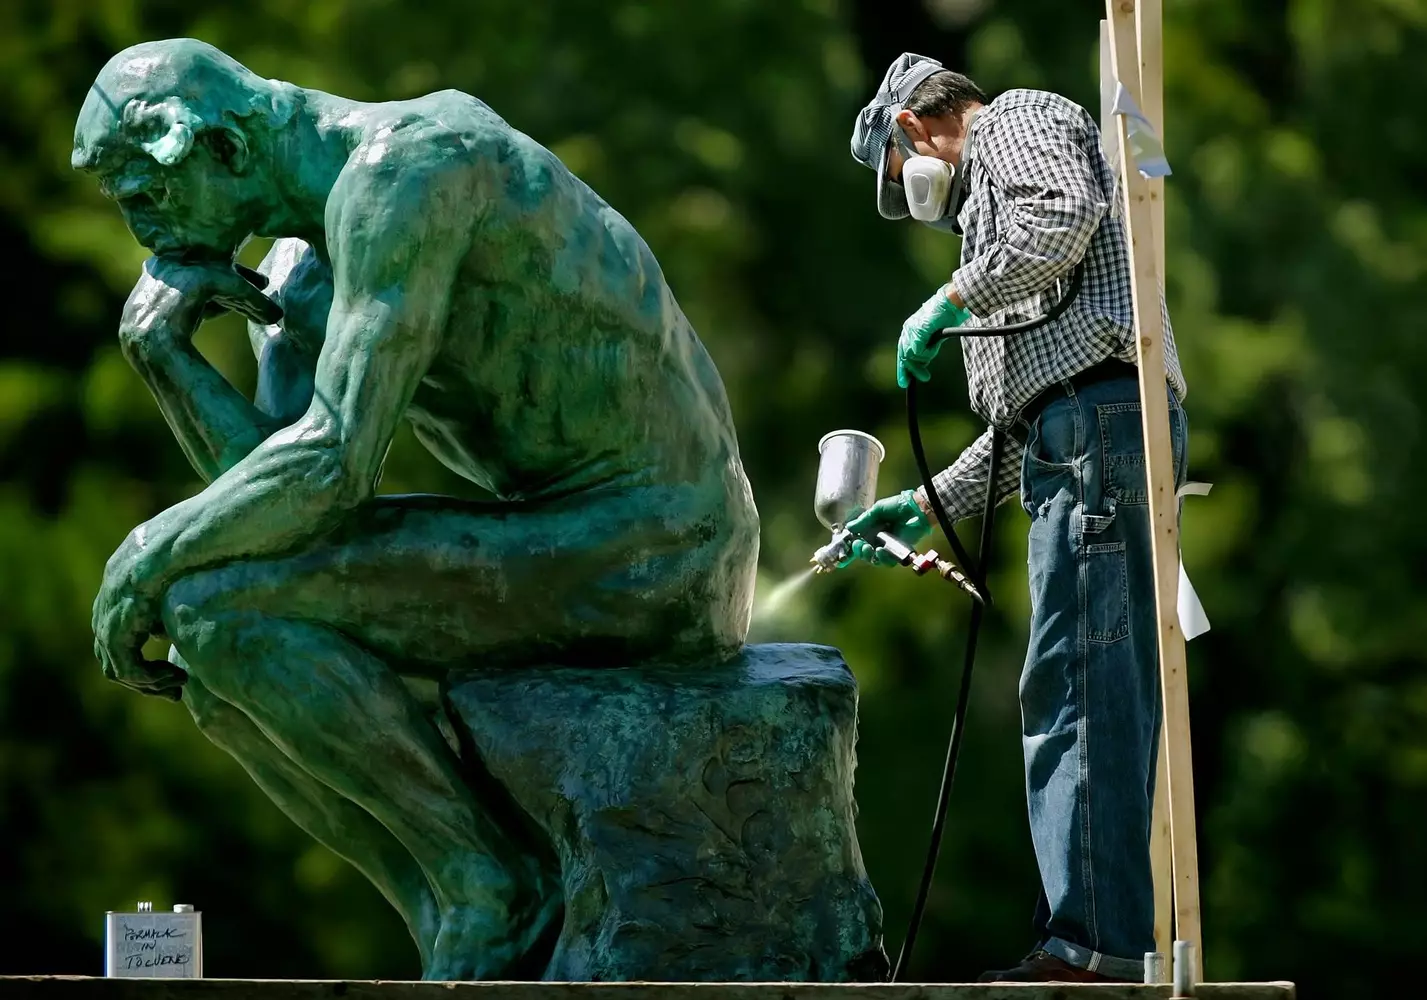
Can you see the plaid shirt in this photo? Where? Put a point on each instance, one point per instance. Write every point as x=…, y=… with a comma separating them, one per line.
x=1042, y=196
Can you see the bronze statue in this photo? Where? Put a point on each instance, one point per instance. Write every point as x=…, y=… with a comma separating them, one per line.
x=436, y=265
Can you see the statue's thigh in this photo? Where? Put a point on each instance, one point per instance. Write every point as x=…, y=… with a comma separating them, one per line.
x=431, y=582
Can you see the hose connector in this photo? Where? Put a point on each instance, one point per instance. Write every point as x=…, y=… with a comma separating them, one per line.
x=925, y=562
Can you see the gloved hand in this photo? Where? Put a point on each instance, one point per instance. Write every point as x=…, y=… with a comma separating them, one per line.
x=914, y=347
x=899, y=516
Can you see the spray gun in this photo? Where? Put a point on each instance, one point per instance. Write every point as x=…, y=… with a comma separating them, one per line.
x=847, y=486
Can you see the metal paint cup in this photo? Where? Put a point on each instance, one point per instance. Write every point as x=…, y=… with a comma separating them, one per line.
x=847, y=476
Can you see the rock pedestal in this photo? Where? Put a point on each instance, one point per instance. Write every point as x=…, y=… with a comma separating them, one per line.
x=703, y=818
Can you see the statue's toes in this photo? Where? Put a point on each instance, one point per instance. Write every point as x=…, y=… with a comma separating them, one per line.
x=456, y=954
x=476, y=944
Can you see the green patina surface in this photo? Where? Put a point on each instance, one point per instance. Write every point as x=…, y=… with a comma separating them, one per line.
x=432, y=265
x=703, y=821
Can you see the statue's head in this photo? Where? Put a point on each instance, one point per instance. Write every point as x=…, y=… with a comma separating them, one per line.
x=176, y=132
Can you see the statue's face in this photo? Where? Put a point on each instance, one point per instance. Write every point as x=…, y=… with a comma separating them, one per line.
x=196, y=208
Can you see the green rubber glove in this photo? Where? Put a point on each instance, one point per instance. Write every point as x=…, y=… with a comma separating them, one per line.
x=915, y=349
x=899, y=516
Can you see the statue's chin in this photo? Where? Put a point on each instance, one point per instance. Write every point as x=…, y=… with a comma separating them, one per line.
x=185, y=247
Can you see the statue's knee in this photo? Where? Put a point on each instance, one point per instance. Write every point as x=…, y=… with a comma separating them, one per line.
x=224, y=725
x=210, y=713
x=192, y=610
x=216, y=638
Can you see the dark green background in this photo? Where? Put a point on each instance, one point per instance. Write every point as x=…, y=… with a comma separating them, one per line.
x=1297, y=247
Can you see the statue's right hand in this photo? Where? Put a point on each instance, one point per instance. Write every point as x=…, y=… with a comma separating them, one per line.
x=172, y=297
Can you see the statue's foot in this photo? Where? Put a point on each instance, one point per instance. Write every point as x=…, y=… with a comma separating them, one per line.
x=475, y=945
x=424, y=923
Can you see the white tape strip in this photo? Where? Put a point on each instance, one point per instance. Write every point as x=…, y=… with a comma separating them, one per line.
x=1109, y=133
x=1145, y=147
x=1192, y=619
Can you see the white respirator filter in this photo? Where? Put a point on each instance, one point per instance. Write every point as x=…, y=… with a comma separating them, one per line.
x=927, y=181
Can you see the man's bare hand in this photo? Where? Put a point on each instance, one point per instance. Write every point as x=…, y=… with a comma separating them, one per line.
x=124, y=618
x=172, y=297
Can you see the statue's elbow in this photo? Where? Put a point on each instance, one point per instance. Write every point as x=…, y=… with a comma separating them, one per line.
x=332, y=476
x=336, y=465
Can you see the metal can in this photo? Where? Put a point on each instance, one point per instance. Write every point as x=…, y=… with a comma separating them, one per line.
x=847, y=476
x=145, y=944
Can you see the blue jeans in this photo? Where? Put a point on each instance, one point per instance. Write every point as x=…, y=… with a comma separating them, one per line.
x=1090, y=697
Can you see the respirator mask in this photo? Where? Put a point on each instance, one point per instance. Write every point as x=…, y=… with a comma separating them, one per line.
x=935, y=189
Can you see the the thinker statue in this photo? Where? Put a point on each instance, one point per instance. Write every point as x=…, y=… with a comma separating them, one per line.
x=433, y=265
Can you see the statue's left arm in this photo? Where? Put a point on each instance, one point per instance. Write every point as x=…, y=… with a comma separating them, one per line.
x=397, y=233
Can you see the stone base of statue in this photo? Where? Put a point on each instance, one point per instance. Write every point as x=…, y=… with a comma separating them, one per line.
x=703, y=819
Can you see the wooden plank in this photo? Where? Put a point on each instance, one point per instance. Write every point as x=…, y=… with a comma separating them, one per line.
x=1162, y=858
x=1163, y=506
x=1161, y=864
x=86, y=988
x=1149, y=39
x=1149, y=42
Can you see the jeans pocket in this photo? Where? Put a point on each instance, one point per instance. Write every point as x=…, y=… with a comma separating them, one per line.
x=1047, y=466
x=1107, y=592
x=1122, y=449
x=1054, y=440
x=1122, y=452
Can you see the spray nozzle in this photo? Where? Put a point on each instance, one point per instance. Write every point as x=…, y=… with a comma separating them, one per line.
x=835, y=552
x=839, y=550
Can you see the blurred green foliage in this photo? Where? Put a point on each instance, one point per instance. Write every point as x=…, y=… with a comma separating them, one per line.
x=1297, y=248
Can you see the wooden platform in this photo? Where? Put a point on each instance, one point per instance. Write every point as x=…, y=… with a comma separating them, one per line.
x=87, y=988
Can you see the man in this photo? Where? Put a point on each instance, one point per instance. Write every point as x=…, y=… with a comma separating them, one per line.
x=443, y=268
x=1039, y=198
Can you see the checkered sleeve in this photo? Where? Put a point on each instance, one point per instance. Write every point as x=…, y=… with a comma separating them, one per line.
x=1052, y=202
x=962, y=487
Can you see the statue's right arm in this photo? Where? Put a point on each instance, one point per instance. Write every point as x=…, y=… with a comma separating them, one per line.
x=212, y=422
x=215, y=426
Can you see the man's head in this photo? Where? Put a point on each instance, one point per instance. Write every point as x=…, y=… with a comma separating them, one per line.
x=920, y=108
x=176, y=132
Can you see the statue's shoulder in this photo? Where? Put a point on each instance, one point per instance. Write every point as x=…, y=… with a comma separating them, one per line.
x=412, y=170
x=417, y=148
x=442, y=132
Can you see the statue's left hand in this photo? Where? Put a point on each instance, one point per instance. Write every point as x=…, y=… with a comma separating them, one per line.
x=124, y=618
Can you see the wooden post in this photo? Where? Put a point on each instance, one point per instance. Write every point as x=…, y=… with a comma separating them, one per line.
x=1145, y=271
x=1149, y=33
x=1149, y=38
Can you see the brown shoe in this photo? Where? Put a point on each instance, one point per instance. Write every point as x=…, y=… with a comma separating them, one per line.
x=1043, y=967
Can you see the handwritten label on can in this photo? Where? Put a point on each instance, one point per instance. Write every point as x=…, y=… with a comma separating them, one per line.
x=154, y=945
